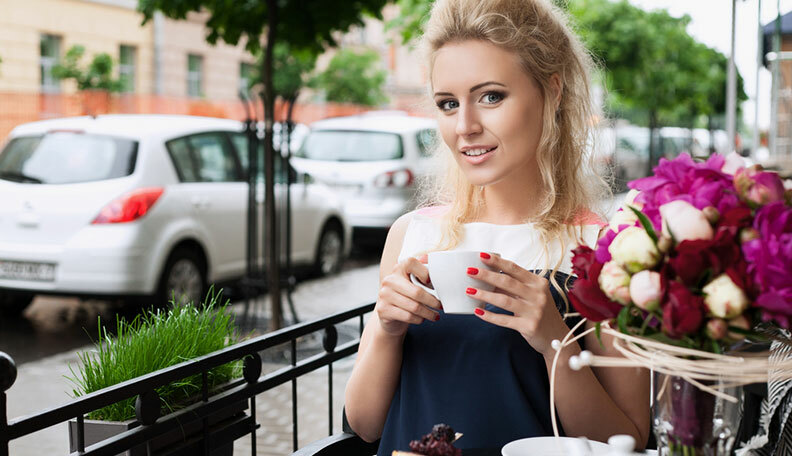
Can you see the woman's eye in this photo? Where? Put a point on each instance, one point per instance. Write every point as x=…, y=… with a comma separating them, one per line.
x=447, y=105
x=492, y=97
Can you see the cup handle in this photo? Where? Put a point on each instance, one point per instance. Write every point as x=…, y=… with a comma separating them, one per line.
x=431, y=291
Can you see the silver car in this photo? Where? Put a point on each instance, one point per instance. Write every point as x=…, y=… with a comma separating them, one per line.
x=372, y=160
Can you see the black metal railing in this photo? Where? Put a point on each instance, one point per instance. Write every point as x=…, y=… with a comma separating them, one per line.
x=147, y=405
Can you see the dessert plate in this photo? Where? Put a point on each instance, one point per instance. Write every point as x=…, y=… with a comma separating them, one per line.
x=550, y=446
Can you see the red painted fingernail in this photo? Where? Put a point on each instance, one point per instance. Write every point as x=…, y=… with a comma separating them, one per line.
x=485, y=255
x=470, y=291
x=479, y=312
x=437, y=317
x=472, y=271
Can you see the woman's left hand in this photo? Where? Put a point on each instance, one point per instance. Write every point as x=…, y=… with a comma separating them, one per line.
x=522, y=293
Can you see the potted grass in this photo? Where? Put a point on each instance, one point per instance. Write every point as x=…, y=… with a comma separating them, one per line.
x=152, y=341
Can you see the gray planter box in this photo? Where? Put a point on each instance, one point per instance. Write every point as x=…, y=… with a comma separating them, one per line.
x=97, y=431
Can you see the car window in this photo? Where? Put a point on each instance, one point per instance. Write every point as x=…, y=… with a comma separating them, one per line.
x=67, y=157
x=427, y=142
x=215, y=161
x=179, y=151
x=240, y=142
x=342, y=145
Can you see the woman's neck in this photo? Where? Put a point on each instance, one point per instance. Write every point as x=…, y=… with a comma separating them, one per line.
x=511, y=201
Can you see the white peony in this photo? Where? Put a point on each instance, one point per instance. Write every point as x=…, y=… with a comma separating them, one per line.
x=685, y=222
x=646, y=289
x=634, y=250
x=615, y=282
x=724, y=298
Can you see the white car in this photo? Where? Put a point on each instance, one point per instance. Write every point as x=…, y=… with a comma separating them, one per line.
x=140, y=206
x=372, y=160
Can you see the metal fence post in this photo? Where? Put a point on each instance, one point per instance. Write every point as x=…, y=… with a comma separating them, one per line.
x=8, y=374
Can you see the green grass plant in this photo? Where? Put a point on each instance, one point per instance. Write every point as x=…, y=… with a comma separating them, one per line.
x=152, y=341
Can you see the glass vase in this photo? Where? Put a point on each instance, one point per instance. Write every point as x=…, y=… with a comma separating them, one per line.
x=689, y=421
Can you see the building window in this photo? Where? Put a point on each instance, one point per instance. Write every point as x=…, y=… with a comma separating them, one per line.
x=194, y=75
x=50, y=56
x=126, y=67
x=246, y=75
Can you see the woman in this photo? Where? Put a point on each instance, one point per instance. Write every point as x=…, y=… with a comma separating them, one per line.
x=510, y=82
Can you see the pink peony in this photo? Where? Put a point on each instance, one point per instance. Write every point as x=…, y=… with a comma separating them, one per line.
x=759, y=187
x=700, y=184
x=770, y=262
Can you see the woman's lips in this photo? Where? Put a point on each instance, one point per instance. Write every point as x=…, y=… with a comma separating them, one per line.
x=481, y=155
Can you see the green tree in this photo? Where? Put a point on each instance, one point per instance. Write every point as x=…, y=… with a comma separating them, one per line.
x=98, y=75
x=303, y=24
x=652, y=64
x=353, y=77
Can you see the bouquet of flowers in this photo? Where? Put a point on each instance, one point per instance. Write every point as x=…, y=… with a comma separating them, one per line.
x=699, y=257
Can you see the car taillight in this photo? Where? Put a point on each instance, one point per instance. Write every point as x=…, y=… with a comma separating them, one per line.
x=130, y=206
x=399, y=178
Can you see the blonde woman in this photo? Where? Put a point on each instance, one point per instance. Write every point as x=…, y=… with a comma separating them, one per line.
x=510, y=81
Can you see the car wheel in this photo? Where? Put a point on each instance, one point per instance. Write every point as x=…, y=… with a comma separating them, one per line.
x=330, y=250
x=13, y=304
x=183, y=278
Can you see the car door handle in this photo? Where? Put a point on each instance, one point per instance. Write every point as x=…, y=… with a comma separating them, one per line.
x=200, y=203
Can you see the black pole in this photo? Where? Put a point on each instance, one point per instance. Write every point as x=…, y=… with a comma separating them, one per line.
x=270, y=214
x=291, y=280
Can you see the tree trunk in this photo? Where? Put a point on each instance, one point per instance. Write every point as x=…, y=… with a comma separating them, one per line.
x=270, y=214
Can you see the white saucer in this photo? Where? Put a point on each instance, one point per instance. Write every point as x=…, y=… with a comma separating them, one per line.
x=549, y=446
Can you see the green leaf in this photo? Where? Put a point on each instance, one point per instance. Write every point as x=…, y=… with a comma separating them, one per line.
x=623, y=318
x=645, y=223
x=598, y=333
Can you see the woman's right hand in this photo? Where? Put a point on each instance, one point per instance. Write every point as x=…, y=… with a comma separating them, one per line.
x=400, y=302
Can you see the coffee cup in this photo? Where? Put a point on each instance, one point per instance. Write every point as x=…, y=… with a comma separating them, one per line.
x=449, y=277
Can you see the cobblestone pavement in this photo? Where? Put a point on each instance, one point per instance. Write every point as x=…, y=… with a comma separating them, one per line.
x=41, y=384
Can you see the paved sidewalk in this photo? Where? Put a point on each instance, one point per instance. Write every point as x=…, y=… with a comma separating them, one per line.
x=41, y=384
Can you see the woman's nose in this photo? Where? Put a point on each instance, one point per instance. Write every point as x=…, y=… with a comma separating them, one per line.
x=467, y=122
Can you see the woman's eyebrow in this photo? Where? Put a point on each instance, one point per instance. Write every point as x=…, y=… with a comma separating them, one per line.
x=472, y=89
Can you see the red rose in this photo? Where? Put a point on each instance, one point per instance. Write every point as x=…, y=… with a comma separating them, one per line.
x=586, y=295
x=683, y=312
x=692, y=259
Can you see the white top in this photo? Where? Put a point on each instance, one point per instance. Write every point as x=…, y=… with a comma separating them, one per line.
x=518, y=243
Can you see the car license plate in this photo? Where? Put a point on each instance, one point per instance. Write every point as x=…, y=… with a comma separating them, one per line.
x=22, y=270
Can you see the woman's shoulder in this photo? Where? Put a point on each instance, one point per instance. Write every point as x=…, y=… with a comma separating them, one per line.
x=585, y=216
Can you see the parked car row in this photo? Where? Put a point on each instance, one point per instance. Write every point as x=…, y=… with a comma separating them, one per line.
x=140, y=206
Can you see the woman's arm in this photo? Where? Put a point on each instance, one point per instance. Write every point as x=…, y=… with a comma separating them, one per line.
x=601, y=402
x=592, y=403
x=375, y=376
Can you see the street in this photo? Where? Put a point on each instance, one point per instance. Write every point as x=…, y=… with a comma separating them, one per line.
x=45, y=343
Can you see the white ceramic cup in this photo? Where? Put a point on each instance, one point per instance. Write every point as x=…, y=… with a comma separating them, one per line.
x=448, y=274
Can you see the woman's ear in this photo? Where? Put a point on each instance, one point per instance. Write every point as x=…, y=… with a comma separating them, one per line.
x=557, y=88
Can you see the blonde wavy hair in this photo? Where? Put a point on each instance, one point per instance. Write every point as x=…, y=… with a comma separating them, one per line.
x=538, y=32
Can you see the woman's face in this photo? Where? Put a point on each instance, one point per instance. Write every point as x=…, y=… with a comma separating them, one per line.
x=489, y=111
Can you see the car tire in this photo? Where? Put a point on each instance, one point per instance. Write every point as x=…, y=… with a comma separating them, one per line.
x=184, y=275
x=330, y=249
x=13, y=304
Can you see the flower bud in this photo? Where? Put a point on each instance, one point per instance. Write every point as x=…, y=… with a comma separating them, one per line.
x=646, y=289
x=629, y=199
x=716, y=328
x=723, y=298
x=623, y=216
x=748, y=234
x=685, y=222
x=614, y=282
x=759, y=187
x=712, y=214
x=634, y=250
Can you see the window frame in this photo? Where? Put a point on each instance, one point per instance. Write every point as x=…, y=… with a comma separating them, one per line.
x=48, y=83
x=126, y=71
x=239, y=171
x=195, y=78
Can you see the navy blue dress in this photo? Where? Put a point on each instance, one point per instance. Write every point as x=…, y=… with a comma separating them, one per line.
x=483, y=380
